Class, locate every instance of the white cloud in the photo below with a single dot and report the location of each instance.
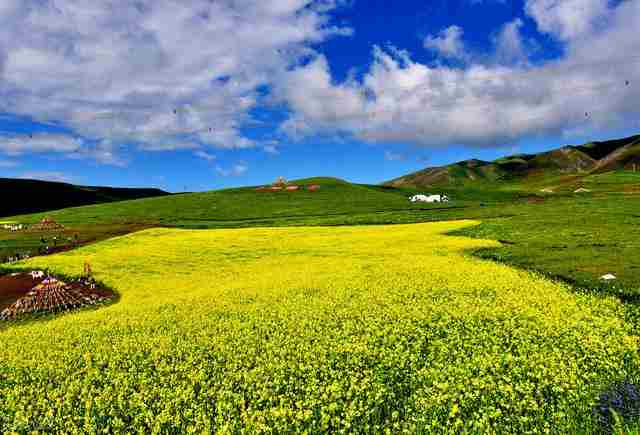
(15, 145)
(448, 43)
(166, 75)
(567, 19)
(8, 164)
(510, 45)
(391, 156)
(483, 104)
(47, 176)
(205, 155)
(119, 72)
(317, 103)
(235, 170)
(104, 151)
(271, 148)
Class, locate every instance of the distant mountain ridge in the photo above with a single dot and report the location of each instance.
(32, 196)
(590, 158)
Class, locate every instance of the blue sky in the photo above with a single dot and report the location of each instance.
(204, 95)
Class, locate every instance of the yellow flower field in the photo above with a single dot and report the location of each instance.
(341, 329)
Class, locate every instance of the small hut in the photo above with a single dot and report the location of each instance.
(313, 187)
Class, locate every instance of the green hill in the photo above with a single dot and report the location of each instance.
(337, 202)
(32, 196)
(203, 209)
(532, 169)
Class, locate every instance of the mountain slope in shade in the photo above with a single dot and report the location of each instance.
(594, 157)
(626, 157)
(33, 196)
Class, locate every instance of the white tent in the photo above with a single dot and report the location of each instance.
(429, 198)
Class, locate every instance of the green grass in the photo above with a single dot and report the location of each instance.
(334, 197)
(576, 237)
(239, 207)
(616, 177)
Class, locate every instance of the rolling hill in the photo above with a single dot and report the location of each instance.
(204, 209)
(570, 162)
(33, 196)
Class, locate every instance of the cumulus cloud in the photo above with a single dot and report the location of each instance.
(234, 171)
(103, 151)
(308, 90)
(15, 145)
(205, 155)
(448, 43)
(484, 103)
(271, 147)
(165, 75)
(155, 73)
(511, 47)
(392, 156)
(567, 19)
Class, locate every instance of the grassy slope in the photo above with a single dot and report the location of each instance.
(292, 329)
(337, 202)
(241, 204)
(580, 238)
(31, 196)
(225, 208)
(577, 237)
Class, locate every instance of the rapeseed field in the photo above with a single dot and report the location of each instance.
(353, 329)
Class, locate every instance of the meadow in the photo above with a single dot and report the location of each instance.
(369, 329)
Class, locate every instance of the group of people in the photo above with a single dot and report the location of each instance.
(15, 258)
(45, 246)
